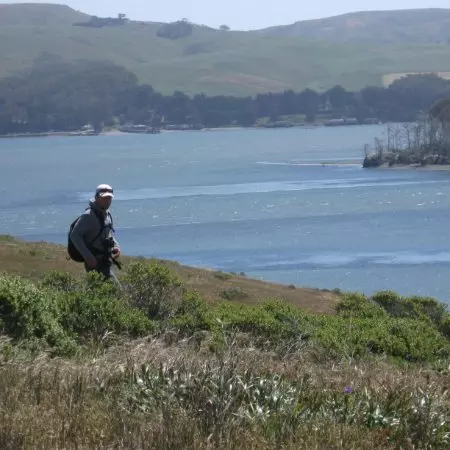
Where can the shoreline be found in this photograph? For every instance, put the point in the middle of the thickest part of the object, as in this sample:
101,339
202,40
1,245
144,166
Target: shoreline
425,168
116,132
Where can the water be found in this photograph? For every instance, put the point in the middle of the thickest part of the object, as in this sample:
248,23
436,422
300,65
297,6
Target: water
260,202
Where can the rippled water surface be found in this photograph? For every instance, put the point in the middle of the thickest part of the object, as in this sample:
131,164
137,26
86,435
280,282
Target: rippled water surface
286,205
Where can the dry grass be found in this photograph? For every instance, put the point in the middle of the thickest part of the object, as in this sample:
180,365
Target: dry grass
117,400
222,389
33,260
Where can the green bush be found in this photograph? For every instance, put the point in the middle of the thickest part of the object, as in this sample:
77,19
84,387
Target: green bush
92,316
430,308
444,326
233,293
59,316
423,308
223,276
193,314
408,339
60,281
95,308
28,313
62,312
154,289
358,305
361,327
395,305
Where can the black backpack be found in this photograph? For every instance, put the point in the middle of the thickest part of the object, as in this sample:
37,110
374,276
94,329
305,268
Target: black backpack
73,252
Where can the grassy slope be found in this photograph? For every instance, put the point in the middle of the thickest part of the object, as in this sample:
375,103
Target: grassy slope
206,391
32,260
423,26
237,63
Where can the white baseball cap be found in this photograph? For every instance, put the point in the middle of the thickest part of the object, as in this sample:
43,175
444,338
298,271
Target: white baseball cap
104,190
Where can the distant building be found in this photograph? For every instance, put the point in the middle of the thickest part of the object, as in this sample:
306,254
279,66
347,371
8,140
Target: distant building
341,122
143,129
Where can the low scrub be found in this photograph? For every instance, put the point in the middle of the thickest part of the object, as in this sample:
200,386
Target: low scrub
222,402
223,375
64,313
153,289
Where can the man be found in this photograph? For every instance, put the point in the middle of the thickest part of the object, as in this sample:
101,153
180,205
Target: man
93,234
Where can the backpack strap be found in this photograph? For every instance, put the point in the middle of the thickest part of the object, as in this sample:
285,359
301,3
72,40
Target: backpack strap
102,224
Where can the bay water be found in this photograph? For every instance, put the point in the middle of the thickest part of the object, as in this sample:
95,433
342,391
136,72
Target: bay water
291,206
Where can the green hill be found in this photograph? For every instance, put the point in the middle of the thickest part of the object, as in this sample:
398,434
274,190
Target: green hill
421,26
209,61
38,14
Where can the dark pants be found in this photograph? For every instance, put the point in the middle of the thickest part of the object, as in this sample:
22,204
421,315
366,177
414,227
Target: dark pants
104,267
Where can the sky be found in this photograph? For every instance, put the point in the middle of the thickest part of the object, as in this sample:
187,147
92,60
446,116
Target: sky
238,14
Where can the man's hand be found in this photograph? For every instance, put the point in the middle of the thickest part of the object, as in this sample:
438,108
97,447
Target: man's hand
116,252
92,263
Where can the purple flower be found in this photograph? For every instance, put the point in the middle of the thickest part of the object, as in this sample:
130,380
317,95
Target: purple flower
348,390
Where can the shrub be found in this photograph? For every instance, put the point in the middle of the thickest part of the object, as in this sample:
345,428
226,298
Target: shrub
233,293
223,276
444,326
358,305
408,339
28,313
91,316
430,308
413,307
62,312
154,289
192,315
60,281
61,318
395,305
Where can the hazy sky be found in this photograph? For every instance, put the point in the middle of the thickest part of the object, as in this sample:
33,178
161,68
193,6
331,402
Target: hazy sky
238,14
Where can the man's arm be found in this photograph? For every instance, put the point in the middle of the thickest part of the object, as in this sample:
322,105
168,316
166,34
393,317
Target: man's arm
80,229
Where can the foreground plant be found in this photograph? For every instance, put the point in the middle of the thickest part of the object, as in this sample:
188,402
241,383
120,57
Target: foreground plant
227,375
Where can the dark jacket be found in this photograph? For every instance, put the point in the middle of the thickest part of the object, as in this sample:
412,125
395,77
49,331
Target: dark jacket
88,227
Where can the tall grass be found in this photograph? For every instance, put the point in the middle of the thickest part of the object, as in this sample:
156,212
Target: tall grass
87,366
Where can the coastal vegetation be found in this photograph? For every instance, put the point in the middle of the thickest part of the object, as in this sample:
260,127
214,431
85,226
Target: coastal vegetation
57,96
425,142
159,365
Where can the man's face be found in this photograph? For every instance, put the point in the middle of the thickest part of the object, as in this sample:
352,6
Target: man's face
104,202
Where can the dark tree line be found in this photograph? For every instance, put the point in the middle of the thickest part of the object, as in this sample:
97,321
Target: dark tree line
58,96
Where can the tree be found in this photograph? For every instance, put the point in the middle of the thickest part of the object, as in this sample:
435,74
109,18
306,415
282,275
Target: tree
339,98
309,101
63,96
441,111
224,28
288,103
175,30
56,95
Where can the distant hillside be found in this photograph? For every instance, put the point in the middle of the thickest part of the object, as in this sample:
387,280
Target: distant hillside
208,60
424,26
38,14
